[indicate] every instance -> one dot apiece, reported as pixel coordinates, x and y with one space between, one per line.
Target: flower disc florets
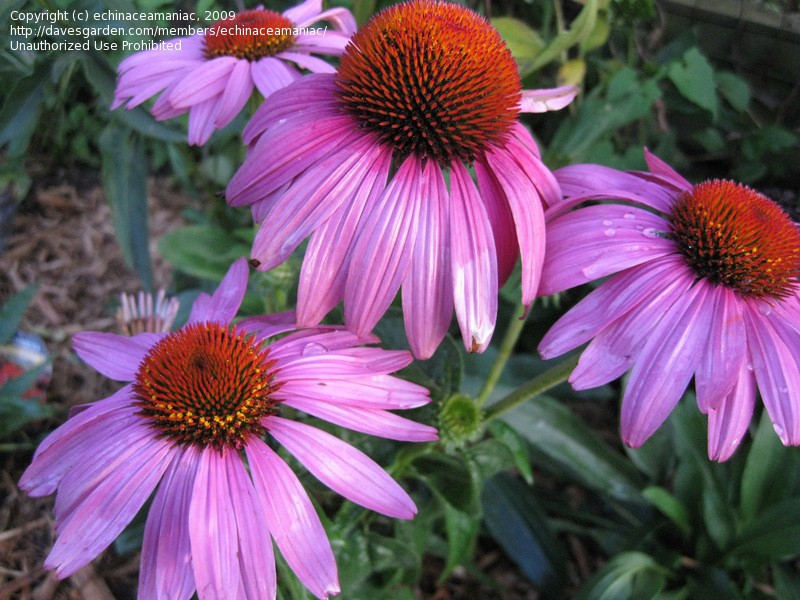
251 35
431 78
206 384
734 236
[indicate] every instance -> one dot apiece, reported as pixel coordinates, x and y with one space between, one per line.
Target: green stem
539 384
513 332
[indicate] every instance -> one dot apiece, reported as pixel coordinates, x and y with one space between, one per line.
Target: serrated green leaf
124 168
670 506
12 311
516 521
694 78
554 430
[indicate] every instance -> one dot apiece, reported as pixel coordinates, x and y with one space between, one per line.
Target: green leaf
786 580
517 522
769 473
774 533
450 479
523 42
554 430
125 185
694 78
102 78
16 411
515 444
670 506
627 575
202 250
581 28
20 113
12 311
462 532
734 89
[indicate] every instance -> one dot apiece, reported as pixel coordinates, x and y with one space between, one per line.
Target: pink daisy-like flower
211 74
374 163
198 399
703 284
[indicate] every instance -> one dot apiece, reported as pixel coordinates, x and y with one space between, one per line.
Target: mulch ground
62 240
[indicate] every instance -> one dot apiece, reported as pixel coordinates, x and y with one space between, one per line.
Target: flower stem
539 384
513 332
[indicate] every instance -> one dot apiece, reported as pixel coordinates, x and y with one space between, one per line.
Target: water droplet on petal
629 216
313 349
640 227
649 232
778 429
608 222
749 366
784 390
610 232
765 309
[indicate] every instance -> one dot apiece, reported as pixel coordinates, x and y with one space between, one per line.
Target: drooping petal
166 560
501 219
115 356
221 307
206 81
774 353
729 420
212 528
237 92
105 509
201 121
327 258
341 18
722 362
310 63
270 75
383 248
304 11
474 261
427 289
371 421
292 520
666 365
342 468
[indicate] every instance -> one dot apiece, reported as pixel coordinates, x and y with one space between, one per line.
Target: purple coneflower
211 75
374 163
703 284
198 399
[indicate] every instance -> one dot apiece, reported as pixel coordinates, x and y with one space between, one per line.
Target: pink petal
201 121
303 12
774 350
343 468
366 420
341 19
659 167
501 219
729 421
600 240
666 365
237 93
223 305
383 248
538 101
338 365
316 341
208 80
115 356
271 74
473 260
327 257
375 392
108 506
166 560
427 289
311 199
292 520
605 182
722 362
333 43
528 217
70 444
618 346
311 63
